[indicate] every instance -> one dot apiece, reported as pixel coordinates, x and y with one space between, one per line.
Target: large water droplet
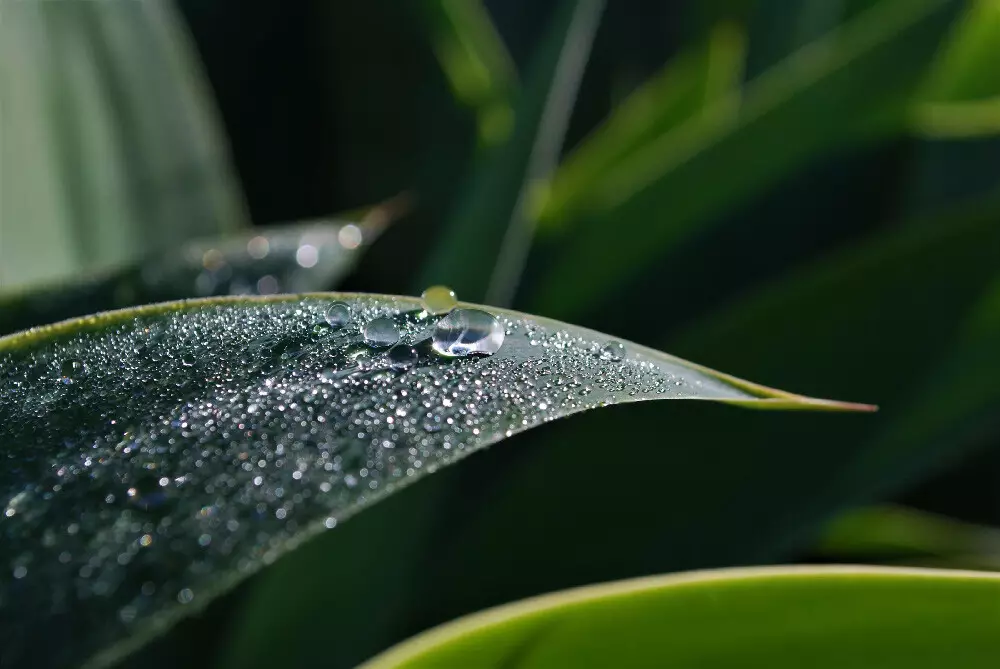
338 315
466 331
71 370
402 356
613 351
381 332
439 299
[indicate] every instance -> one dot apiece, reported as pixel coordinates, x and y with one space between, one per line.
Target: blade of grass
484 244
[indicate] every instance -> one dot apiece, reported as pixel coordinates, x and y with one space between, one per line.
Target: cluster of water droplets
146 457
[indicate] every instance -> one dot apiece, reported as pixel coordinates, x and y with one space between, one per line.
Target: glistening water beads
146 482
466 331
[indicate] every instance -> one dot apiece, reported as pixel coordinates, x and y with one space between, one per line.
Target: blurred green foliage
802 194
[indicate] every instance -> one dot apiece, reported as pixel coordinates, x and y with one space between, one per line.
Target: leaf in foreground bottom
819 617
156 456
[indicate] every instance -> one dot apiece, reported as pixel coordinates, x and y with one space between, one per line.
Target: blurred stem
544 157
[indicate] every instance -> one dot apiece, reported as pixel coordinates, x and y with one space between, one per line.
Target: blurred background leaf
475 60
111 147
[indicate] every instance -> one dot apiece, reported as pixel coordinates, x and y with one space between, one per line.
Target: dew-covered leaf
821 617
306 257
156 456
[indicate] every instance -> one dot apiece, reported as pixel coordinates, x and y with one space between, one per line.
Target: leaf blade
198 441
729 617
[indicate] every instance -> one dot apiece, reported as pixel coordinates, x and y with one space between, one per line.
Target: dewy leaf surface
154 457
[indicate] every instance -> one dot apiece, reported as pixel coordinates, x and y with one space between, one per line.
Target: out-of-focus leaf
880 533
159 455
962 95
853 85
966 68
308 257
110 145
475 61
691 85
823 617
484 244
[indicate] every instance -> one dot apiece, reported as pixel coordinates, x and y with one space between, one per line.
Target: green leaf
157 456
111 147
854 84
691 85
822 617
903 534
962 94
306 257
475 61
486 240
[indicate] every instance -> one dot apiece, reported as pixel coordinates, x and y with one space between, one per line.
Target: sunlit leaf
156 456
823 617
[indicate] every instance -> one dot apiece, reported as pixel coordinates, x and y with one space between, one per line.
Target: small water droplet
402 356
338 315
188 360
613 351
71 370
148 492
381 332
439 299
466 331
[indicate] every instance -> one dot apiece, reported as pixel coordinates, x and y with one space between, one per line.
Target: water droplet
188 360
402 356
439 299
148 493
71 370
381 332
338 315
614 351
466 331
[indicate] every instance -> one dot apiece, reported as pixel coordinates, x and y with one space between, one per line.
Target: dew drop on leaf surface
147 484
439 300
466 331
381 331
338 315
